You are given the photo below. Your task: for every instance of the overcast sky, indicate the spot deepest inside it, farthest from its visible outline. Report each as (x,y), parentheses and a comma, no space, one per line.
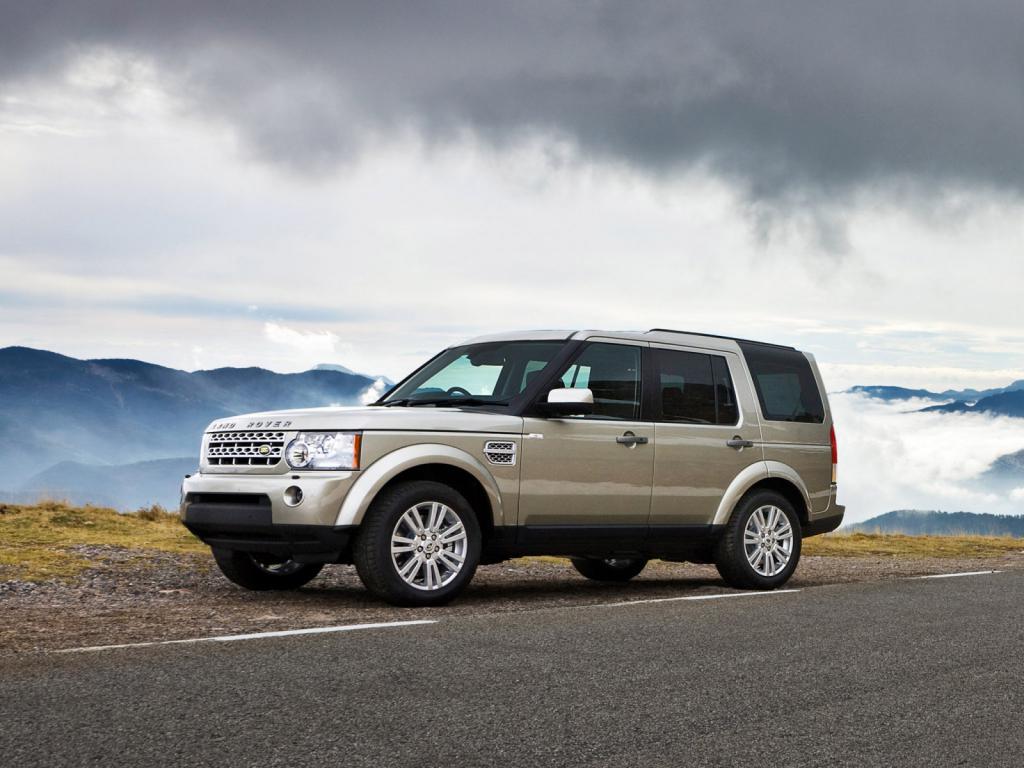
(281,184)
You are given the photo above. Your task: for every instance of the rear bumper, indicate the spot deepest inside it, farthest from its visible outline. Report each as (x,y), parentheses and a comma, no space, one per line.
(826,523)
(245,522)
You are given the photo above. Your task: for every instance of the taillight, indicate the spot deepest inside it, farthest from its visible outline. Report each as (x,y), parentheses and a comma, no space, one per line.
(835,451)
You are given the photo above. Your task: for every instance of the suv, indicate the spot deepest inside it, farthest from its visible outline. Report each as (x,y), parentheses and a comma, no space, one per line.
(608,448)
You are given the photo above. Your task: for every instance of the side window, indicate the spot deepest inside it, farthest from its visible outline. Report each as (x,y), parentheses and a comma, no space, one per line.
(785,384)
(532,369)
(612,373)
(686,386)
(725,393)
(695,388)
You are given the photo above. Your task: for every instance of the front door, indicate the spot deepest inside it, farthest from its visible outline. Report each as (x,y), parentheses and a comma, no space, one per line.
(586,480)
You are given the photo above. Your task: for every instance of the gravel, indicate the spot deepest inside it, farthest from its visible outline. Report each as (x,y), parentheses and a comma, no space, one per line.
(137,596)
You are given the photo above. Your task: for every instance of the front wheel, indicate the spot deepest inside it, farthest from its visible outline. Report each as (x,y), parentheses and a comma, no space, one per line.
(610,568)
(260,572)
(761,545)
(418,545)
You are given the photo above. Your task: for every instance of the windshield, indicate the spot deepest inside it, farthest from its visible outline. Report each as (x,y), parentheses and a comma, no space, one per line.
(477,374)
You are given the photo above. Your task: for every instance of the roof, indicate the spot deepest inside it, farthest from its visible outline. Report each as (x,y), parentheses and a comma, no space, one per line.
(656,335)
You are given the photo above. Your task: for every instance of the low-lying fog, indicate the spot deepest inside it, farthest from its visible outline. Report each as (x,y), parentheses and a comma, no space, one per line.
(891,457)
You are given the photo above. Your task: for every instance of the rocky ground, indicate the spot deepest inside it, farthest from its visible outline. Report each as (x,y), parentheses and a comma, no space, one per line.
(135,596)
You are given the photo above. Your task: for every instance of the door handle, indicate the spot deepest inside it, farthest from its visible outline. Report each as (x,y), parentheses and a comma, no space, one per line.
(630,439)
(739,442)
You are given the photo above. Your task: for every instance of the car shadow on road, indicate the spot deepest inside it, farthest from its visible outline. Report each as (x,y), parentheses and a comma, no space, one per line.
(504,591)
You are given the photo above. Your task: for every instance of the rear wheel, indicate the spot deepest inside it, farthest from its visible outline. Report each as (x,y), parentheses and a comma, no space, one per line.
(609,568)
(260,571)
(418,545)
(761,545)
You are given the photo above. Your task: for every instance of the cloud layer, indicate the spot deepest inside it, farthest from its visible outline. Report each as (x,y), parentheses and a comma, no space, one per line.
(891,457)
(788,100)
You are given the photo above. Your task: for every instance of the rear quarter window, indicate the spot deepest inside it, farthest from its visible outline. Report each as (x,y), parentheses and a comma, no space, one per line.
(785,384)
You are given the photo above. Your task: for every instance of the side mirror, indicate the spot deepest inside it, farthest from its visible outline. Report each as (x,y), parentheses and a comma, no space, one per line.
(567,402)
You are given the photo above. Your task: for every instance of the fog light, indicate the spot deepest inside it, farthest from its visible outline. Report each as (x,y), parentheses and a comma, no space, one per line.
(293,496)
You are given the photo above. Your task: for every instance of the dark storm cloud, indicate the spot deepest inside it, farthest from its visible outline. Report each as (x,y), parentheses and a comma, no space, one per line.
(787,99)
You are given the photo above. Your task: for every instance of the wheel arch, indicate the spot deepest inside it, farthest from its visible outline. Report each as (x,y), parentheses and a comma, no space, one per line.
(767,475)
(441,463)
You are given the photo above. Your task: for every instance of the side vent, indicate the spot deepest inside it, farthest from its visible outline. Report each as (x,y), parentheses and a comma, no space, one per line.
(501,452)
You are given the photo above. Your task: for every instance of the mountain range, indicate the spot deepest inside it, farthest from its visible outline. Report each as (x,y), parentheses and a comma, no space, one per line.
(1002,404)
(926,523)
(122,486)
(956,395)
(61,417)
(1002,401)
(123,432)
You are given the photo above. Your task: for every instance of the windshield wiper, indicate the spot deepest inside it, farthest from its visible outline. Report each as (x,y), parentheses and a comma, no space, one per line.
(454,401)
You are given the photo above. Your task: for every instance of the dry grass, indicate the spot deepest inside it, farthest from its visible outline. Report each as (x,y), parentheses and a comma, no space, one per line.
(36,542)
(899,545)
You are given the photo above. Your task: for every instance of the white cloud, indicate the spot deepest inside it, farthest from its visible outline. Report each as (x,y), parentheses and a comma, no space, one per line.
(373,392)
(323,343)
(1017,494)
(892,457)
(418,247)
(305,349)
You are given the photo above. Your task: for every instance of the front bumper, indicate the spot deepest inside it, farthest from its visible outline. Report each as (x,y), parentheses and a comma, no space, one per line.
(248,513)
(322,493)
(244,522)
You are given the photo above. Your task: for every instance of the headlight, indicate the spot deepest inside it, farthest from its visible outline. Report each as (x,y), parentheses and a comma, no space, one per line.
(324,450)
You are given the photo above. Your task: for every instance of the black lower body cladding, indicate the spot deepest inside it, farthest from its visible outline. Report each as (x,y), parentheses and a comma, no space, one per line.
(244,523)
(823,524)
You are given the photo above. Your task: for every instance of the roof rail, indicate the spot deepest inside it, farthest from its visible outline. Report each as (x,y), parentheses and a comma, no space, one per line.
(717,336)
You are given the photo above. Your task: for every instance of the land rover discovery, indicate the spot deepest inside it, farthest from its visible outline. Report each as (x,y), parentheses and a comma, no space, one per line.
(609,448)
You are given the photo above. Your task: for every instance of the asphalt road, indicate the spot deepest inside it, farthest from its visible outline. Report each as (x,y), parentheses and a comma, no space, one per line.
(905,673)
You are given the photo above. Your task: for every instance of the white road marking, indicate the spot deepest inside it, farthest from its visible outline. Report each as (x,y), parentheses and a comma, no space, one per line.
(954,575)
(692,597)
(252,636)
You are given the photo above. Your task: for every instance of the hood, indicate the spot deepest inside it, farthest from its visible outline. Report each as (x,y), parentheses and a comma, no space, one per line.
(396,419)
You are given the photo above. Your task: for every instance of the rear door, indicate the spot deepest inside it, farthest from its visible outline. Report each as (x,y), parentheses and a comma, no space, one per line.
(698,411)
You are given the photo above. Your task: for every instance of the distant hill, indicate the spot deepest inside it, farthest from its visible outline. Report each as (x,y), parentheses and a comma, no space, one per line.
(342,369)
(127,486)
(956,395)
(899,393)
(1003,404)
(56,409)
(920,523)
(1006,473)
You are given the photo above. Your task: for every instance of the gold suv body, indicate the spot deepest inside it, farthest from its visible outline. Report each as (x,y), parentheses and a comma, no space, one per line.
(611,448)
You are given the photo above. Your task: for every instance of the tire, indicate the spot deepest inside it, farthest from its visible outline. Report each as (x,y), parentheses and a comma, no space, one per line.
(261,572)
(744,559)
(401,551)
(611,569)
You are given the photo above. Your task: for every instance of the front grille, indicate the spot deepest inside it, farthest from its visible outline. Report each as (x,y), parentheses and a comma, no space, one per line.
(245,449)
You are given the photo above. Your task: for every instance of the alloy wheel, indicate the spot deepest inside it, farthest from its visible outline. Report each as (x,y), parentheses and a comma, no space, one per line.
(768,540)
(428,545)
